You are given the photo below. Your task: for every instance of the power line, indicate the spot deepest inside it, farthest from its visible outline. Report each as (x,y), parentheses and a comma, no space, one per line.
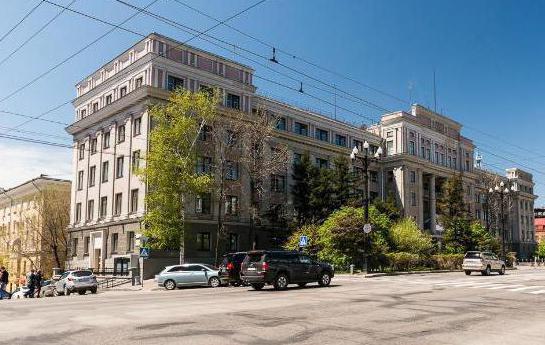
(21,20)
(32,118)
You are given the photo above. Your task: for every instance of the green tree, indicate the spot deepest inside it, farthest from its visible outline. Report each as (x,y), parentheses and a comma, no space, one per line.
(303,175)
(483,240)
(314,243)
(406,236)
(452,203)
(322,194)
(342,181)
(388,207)
(540,250)
(170,165)
(458,235)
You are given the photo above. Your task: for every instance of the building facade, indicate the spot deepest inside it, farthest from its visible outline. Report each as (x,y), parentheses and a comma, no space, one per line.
(24,239)
(112,127)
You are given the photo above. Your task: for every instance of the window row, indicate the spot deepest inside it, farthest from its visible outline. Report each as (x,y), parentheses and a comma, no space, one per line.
(104,173)
(115,94)
(93,143)
(103,207)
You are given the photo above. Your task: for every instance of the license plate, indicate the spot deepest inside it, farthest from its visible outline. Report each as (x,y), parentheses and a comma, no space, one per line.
(84,279)
(251,268)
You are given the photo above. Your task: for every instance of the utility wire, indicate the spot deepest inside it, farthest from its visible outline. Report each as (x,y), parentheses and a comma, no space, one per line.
(21,20)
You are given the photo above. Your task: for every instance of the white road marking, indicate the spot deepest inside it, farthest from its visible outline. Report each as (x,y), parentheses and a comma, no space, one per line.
(526,288)
(504,287)
(538,292)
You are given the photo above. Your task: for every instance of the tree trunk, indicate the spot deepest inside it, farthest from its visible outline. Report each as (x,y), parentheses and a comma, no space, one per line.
(56,254)
(182,232)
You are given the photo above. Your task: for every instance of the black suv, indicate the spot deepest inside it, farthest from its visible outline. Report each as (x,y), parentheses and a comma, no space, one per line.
(229,272)
(281,268)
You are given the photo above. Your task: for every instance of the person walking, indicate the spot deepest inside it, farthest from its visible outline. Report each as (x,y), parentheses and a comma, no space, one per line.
(30,283)
(4,278)
(38,283)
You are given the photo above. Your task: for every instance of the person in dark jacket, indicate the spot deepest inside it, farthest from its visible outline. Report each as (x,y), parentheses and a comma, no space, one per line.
(31,284)
(4,279)
(38,283)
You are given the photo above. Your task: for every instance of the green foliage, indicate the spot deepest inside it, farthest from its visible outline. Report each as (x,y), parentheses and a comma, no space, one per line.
(452,204)
(403,261)
(540,249)
(462,235)
(170,164)
(406,236)
(447,261)
(309,230)
(303,172)
(388,207)
(483,240)
(342,181)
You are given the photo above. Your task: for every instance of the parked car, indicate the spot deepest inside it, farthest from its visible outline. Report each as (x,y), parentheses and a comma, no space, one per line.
(188,275)
(281,268)
(483,262)
(79,281)
(229,272)
(19,292)
(48,288)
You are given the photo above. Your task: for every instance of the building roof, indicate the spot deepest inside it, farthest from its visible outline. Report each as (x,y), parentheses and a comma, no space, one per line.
(8,193)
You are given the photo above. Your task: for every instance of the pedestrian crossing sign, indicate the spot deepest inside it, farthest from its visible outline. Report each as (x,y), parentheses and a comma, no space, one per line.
(303,241)
(144,253)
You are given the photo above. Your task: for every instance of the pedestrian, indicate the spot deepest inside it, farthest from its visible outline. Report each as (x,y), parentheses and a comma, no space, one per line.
(4,278)
(30,281)
(38,283)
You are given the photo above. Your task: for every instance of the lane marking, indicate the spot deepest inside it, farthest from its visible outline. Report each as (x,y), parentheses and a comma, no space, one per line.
(504,287)
(538,292)
(527,288)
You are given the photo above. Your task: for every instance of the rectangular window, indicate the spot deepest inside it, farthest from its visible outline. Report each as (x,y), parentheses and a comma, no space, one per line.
(203,241)
(321,134)
(135,164)
(115,242)
(121,134)
(297,158)
(203,204)
(83,113)
(204,165)
(86,243)
(358,144)
(81,154)
(231,171)
(93,145)
(340,140)
(90,209)
(389,147)
(281,123)
(118,203)
(103,206)
(130,241)
(436,157)
(428,154)
(105,166)
(233,242)
(95,107)
(422,152)
(137,126)
(204,134)
(300,128)
(106,140)
(413,199)
(322,163)
(80,180)
(374,176)
(413,176)
(139,82)
(231,205)
(278,183)
(412,148)
(108,99)
(233,101)
(92,174)
(75,247)
(134,200)
(122,92)
(78,212)
(174,83)
(119,167)
(389,134)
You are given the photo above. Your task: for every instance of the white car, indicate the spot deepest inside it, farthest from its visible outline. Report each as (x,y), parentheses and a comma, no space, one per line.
(483,262)
(79,281)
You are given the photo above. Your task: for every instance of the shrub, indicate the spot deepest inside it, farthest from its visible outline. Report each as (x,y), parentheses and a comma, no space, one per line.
(447,261)
(406,236)
(403,261)
(311,231)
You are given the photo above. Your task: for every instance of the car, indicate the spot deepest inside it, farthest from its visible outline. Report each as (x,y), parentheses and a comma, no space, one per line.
(48,288)
(177,276)
(229,270)
(79,281)
(281,268)
(484,262)
(19,292)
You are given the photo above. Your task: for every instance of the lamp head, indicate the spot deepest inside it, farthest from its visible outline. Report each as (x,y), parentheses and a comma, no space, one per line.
(379,151)
(502,184)
(355,150)
(365,145)
(491,190)
(497,188)
(506,190)
(352,156)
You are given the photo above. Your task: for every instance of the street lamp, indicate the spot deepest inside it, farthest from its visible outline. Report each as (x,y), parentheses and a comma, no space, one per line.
(502,191)
(365,158)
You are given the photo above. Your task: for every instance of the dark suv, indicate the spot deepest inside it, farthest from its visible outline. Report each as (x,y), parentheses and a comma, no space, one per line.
(230,268)
(281,268)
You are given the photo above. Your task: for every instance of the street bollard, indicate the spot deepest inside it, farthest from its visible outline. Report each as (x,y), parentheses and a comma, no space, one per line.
(352,269)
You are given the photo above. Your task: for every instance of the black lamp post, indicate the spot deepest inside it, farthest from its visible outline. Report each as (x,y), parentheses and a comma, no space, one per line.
(365,159)
(502,191)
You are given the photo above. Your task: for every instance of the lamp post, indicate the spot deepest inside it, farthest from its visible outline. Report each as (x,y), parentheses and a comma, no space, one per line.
(365,158)
(502,191)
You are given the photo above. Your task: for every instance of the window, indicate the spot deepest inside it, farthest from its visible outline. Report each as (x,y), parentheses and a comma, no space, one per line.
(231,171)
(80,180)
(300,128)
(374,176)
(204,165)
(86,242)
(436,157)
(340,140)
(95,107)
(137,126)
(389,147)
(389,134)
(74,247)
(297,158)
(321,134)
(138,83)
(233,101)
(105,166)
(442,159)
(278,183)
(358,144)
(204,134)
(206,89)
(322,163)
(78,212)
(92,173)
(119,167)
(93,145)
(90,209)
(103,206)
(231,205)
(83,113)
(233,242)
(412,176)
(118,203)
(81,151)
(412,149)
(115,242)
(106,140)
(134,200)
(428,154)
(203,204)
(121,134)
(174,83)
(203,241)
(413,199)
(130,241)
(281,123)
(108,99)
(122,91)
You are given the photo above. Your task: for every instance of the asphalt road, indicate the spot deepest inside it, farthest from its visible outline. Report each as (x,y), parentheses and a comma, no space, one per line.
(418,309)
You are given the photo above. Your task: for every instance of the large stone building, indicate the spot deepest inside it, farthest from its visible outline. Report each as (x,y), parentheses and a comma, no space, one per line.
(111,134)
(25,236)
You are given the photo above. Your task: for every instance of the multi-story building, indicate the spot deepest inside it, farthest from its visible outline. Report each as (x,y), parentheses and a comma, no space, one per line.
(539,223)
(25,242)
(112,127)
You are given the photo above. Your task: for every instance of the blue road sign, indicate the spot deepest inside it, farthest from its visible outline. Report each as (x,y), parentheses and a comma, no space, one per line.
(303,241)
(144,253)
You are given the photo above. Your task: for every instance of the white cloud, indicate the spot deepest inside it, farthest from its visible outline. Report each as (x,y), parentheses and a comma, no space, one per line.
(20,162)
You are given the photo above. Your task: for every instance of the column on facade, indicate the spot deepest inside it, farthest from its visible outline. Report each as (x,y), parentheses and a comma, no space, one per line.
(420,190)
(432,204)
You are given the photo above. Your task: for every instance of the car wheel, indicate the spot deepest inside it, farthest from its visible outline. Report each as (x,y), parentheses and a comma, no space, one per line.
(502,270)
(94,290)
(258,286)
(66,291)
(236,283)
(82,292)
(302,284)
(468,273)
(214,282)
(56,293)
(325,279)
(281,282)
(486,272)
(170,284)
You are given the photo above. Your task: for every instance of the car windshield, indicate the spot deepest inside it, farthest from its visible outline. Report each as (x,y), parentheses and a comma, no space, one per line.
(254,257)
(82,273)
(472,255)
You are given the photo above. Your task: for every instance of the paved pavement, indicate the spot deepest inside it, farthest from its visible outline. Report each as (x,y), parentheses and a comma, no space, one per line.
(447,308)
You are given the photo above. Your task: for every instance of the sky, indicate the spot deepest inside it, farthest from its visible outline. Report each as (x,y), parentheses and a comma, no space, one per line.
(488,58)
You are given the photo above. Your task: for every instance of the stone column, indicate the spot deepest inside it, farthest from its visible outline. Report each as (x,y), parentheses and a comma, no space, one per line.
(432,204)
(420,190)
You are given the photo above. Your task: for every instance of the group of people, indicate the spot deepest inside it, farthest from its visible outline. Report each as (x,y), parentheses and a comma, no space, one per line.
(4,278)
(33,283)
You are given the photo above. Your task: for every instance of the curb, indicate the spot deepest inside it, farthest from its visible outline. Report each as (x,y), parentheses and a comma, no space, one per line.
(384,274)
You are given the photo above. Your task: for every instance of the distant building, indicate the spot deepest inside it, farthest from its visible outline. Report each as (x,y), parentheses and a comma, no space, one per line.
(539,223)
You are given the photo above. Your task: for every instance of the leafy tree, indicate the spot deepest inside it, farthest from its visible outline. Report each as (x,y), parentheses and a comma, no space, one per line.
(540,250)
(170,165)
(452,203)
(342,181)
(312,232)
(322,194)
(303,174)
(483,240)
(406,236)
(388,207)
(458,235)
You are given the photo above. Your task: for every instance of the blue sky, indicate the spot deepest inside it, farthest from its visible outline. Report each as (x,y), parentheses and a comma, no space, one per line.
(488,56)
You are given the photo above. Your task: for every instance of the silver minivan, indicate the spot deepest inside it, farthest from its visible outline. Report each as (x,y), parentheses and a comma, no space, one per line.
(188,275)
(484,262)
(79,281)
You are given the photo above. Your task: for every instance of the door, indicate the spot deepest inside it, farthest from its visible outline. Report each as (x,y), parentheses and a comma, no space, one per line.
(199,274)
(307,270)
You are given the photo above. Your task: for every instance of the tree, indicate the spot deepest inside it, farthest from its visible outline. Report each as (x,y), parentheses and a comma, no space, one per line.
(540,250)
(303,175)
(170,165)
(452,203)
(483,240)
(342,181)
(388,207)
(322,194)
(312,232)
(406,236)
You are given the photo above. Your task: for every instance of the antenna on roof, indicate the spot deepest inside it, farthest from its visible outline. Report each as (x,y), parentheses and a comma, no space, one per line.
(301,88)
(273,59)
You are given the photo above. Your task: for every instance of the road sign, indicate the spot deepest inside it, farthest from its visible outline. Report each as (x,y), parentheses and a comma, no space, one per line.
(367,228)
(144,253)
(303,241)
